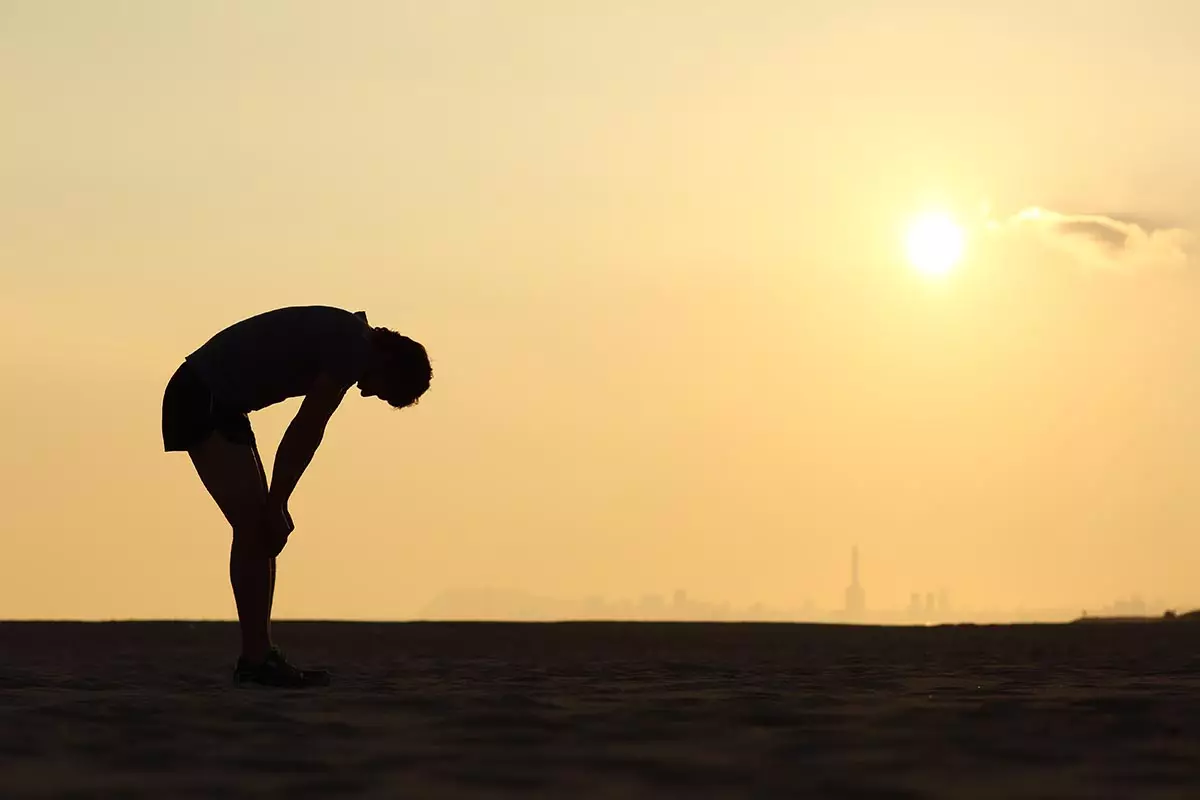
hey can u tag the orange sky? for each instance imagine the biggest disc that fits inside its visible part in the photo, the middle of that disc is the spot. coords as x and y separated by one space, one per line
656 254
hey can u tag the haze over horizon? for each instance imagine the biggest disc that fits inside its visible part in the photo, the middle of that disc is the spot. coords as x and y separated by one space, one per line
657 253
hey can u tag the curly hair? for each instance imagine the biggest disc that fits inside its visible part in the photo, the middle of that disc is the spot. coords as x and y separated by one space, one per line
407 371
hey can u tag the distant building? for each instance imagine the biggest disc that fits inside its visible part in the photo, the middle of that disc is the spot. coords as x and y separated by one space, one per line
856 601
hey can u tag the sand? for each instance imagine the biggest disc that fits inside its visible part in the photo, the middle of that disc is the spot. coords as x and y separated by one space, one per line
589 710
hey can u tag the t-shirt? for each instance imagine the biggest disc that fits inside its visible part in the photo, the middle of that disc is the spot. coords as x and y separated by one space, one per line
270 357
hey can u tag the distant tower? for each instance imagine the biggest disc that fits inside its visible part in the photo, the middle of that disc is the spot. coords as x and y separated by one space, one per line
855 597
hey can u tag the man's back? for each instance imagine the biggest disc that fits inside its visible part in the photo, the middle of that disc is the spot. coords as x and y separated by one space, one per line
270 357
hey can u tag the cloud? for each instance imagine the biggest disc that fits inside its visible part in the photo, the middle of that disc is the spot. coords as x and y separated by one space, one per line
1101 241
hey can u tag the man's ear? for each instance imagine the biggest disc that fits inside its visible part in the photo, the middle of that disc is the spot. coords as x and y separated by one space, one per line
361 315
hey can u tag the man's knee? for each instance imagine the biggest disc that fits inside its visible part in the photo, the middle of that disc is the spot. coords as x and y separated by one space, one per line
258 540
250 538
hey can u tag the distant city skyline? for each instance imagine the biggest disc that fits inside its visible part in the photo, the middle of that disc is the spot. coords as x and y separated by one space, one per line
517 605
928 607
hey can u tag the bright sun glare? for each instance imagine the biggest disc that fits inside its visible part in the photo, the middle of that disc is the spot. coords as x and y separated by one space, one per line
935 244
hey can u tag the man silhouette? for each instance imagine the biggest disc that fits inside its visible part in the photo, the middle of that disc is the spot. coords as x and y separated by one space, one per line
314 352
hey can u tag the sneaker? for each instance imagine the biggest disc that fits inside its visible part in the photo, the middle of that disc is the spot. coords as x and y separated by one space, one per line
274 670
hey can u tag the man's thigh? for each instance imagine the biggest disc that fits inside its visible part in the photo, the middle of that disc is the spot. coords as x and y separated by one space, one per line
232 473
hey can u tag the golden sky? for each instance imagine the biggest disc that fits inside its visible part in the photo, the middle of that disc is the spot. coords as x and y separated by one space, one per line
656 251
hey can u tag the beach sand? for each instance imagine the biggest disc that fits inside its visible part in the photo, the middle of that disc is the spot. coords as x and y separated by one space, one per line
606 710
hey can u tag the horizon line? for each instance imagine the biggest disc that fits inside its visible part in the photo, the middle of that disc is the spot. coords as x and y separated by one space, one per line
1180 616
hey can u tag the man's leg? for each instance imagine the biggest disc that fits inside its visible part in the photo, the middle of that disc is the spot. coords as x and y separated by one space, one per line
271 595
262 479
232 473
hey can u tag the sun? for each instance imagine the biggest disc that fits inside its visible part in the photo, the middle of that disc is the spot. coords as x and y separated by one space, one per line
935 243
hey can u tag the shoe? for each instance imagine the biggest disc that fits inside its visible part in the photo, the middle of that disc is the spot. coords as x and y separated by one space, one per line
274 670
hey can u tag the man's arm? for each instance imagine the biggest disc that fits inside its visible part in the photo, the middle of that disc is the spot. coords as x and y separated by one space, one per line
303 436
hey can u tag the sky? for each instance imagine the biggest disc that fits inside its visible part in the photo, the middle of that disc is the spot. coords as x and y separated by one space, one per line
656 252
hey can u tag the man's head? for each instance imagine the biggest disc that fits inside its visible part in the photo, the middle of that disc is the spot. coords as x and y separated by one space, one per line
398 371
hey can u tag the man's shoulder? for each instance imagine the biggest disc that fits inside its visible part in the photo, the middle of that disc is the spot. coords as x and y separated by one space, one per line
309 319
334 314
293 323
317 310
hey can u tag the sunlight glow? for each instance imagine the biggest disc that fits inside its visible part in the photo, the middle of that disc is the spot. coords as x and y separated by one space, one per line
935 244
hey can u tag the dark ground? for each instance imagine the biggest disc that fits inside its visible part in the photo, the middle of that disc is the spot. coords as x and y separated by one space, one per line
614 710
